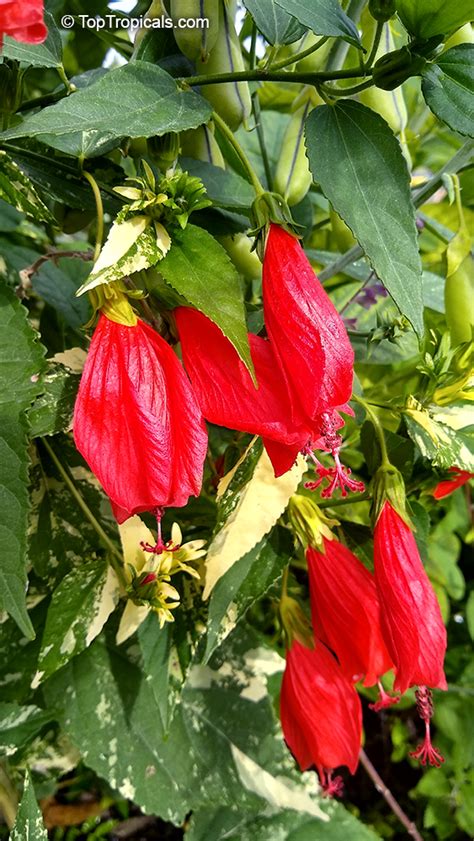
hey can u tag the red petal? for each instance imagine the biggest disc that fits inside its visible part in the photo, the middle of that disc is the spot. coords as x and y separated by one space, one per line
447 487
321 713
411 620
136 420
224 387
345 609
306 330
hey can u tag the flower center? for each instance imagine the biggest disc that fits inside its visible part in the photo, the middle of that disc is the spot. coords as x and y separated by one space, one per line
426 752
338 476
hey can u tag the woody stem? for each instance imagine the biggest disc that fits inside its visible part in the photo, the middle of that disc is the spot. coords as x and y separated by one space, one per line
230 137
114 556
388 797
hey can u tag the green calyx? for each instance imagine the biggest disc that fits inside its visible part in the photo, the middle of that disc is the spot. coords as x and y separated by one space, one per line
391 70
295 623
267 208
388 486
308 522
382 10
113 300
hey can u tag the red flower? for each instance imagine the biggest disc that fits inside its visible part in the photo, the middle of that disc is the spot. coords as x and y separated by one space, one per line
321 714
225 390
136 420
23 20
345 611
313 348
411 619
460 477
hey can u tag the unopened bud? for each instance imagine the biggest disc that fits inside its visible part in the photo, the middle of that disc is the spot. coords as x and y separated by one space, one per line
308 522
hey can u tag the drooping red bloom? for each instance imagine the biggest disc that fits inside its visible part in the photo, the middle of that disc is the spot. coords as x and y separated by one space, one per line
411 620
446 487
311 342
345 611
137 422
321 713
23 20
225 390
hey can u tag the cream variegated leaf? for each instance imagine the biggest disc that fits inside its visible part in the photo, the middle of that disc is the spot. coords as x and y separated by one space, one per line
261 502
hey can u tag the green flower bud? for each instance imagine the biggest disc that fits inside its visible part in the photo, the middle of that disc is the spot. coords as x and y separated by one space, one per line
382 10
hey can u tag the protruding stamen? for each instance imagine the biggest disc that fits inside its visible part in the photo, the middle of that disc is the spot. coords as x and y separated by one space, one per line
426 752
331 787
384 700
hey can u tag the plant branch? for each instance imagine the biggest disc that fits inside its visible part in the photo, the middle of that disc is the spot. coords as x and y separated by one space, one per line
115 557
230 136
260 74
100 213
377 427
388 797
375 45
348 500
335 92
285 62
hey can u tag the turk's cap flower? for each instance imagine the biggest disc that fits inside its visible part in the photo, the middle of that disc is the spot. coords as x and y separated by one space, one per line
23 20
412 626
320 711
448 486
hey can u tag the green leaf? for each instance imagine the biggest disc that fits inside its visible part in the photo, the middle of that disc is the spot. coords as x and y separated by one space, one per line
136 100
223 186
285 825
19 725
470 614
199 269
79 609
425 18
223 747
358 162
275 24
325 17
29 821
48 54
17 190
447 86
245 582
442 445
21 360
53 410
58 284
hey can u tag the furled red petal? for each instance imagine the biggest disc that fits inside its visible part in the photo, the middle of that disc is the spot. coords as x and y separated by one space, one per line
136 420
224 387
460 477
345 611
320 710
23 20
306 330
411 620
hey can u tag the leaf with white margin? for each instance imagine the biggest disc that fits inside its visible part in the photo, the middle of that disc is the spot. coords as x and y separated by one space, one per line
131 246
29 824
79 609
132 532
261 502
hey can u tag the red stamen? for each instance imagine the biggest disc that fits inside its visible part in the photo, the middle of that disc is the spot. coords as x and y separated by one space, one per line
338 476
384 700
426 752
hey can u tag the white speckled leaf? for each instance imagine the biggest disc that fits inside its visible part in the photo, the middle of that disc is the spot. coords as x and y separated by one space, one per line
79 609
29 821
261 502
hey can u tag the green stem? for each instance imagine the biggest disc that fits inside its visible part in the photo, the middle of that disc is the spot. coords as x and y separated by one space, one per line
230 136
70 88
457 195
385 461
336 92
115 557
375 45
285 62
261 75
100 213
261 139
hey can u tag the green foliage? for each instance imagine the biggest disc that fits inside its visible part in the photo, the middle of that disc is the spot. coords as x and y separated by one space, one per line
29 823
448 90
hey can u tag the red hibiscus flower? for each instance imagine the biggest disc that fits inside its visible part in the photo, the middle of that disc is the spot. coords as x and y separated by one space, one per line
23 20
136 420
321 713
460 477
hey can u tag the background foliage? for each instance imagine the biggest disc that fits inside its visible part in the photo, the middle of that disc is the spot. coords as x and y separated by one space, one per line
183 721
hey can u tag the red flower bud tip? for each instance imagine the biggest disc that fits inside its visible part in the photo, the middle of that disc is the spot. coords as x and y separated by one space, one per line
136 420
411 620
345 611
426 752
384 700
306 331
460 477
23 20
148 579
338 476
321 713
